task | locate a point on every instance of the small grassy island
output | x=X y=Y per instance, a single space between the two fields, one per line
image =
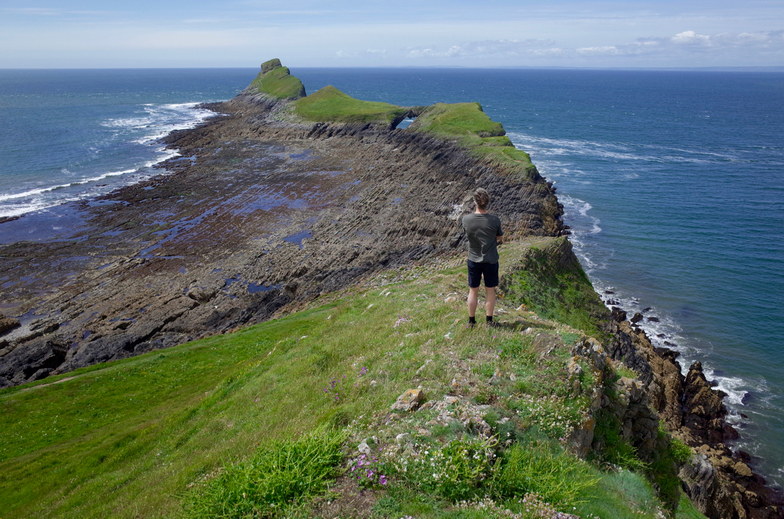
x=464 y=123
x=370 y=398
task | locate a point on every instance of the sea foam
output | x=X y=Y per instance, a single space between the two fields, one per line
x=143 y=131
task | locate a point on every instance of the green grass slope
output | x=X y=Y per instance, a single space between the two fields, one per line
x=277 y=82
x=331 y=105
x=551 y=282
x=467 y=124
x=267 y=421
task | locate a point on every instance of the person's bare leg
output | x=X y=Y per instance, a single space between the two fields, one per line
x=489 y=301
x=473 y=301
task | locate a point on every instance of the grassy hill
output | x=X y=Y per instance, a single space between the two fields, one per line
x=467 y=124
x=293 y=418
x=276 y=81
x=332 y=105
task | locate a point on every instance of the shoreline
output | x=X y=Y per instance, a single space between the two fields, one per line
x=720 y=481
x=147 y=132
x=645 y=319
x=668 y=332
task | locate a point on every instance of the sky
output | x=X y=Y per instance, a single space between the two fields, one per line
x=386 y=33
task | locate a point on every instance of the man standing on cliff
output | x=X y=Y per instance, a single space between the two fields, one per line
x=484 y=233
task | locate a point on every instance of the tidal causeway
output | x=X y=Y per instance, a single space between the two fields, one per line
x=256 y=214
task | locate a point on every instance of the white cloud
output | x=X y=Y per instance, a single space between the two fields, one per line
x=753 y=36
x=485 y=48
x=690 y=38
x=608 y=50
x=686 y=48
x=374 y=53
x=551 y=52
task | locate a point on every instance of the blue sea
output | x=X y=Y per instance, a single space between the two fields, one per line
x=672 y=181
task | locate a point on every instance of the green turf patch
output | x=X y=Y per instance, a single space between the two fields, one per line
x=552 y=282
x=275 y=81
x=457 y=120
x=331 y=105
x=467 y=124
x=272 y=481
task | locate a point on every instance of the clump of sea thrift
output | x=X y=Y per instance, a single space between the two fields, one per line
x=367 y=472
x=534 y=507
x=401 y=319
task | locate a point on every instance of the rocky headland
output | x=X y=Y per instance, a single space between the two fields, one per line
x=262 y=210
x=283 y=198
x=719 y=481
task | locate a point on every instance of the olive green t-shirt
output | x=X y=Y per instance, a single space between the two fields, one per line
x=481 y=230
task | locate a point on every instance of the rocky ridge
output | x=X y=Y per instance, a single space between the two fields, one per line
x=722 y=484
x=719 y=482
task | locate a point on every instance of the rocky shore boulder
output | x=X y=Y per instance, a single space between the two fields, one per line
x=704 y=406
x=719 y=482
x=7 y=323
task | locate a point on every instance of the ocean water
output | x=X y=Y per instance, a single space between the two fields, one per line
x=72 y=134
x=672 y=181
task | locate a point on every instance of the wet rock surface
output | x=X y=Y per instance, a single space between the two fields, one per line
x=7 y=323
x=255 y=215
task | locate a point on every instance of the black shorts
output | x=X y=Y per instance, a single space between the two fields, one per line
x=478 y=270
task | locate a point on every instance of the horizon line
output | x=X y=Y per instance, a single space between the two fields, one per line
x=764 y=68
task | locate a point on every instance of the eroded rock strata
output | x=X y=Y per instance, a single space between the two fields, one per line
x=256 y=214
x=719 y=481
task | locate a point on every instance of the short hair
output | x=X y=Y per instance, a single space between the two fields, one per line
x=481 y=198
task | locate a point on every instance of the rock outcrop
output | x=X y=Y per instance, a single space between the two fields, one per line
x=718 y=481
x=7 y=323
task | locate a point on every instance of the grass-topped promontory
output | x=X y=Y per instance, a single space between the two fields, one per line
x=467 y=124
x=331 y=105
x=464 y=123
x=557 y=290
x=276 y=81
x=292 y=418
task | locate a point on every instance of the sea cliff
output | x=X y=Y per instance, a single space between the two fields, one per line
x=317 y=212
